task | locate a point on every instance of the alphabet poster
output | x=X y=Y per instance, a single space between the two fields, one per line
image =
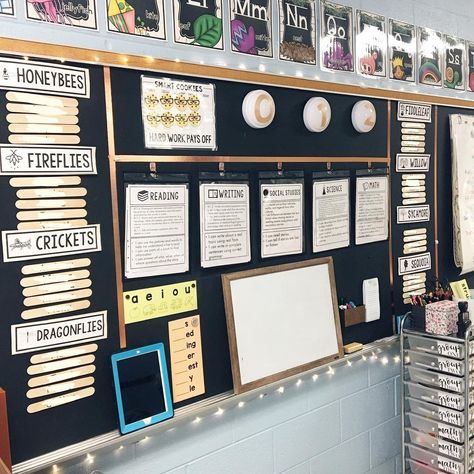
x=78 y=13
x=251 y=27
x=430 y=50
x=470 y=68
x=371 y=44
x=137 y=17
x=454 y=63
x=336 y=40
x=402 y=50
x=298 y=31
x=198 y=23
x=6 y=7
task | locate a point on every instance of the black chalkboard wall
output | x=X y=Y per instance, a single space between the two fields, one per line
x=33 y=435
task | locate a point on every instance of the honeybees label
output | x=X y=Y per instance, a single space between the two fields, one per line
x=178 y=114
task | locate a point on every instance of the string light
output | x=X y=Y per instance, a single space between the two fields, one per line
x=349 y=363
x=299 y=382
x=241 y=404
x=242 y=66
x=396 y=359
x=315 y=377
x=90 y=459
x=261 y=67
x=219 y=411
x=384 y=360
x=330 y=371
x=261 y=395
x=364 y=357
x=177 y=60
x=281 y=389
x=55 y=468
x=197 y=420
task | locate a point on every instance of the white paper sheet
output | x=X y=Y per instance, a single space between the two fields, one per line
x=371 y=298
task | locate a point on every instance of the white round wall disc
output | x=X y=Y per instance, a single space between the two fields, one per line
x=258 y=109
x=364 y=116
x=317 y=114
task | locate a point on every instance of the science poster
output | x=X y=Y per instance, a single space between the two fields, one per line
x=297 y=31
x=430 y=51
x=198 y=23
x=337 y=42
x=454 y=62
x=137 y=17
x=371 y=44
x=401 y=50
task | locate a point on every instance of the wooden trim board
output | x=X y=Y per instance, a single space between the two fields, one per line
x=5 y=454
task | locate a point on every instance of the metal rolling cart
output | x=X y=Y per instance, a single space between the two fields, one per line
x=436 y=401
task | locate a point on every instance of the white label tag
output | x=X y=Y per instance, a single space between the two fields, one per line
x=407 y=214
x=408 y=162
x=413 y=112
x=32 y=337
x=414 y=264
x=449 y=349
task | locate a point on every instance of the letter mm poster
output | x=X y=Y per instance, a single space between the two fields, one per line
x=178 y=114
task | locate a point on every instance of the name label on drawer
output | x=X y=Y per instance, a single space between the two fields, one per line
x=451 y=366
x=450 y=432
x=450 y=401
x=449 y=465
x=450 y=383
x=450 y=417
x=449 y=349
x=444 y=447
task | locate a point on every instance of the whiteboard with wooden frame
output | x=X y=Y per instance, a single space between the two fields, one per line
x=281 y=320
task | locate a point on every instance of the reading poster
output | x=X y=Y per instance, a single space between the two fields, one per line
x=78 y=13
x=430 y=49
x=454 y=63
x=137 y=17
x=470 y=63
x=298 y=31
x=337 y=43
x=371 y=44
x=402 y=50
x=251 y=27
x=198 y=23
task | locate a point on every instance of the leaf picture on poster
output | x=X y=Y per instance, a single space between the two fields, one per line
x=454 y=63
x=298 y=31
x=402 y=50
x=78 y=13
x=430 y=50
x=251 y=27
x=337 y=44
x=198 y=23
x=371 y=44
x=6 y=7
x=137 y=17
x=470 y=66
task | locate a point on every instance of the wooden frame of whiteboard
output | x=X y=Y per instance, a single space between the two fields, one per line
x=226 y=280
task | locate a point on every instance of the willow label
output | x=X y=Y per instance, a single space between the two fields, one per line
x=415 y=163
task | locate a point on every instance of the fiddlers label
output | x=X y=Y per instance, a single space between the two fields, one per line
x=417 y=263
x=406 y=162
x=30 y=337
x=46 y=160
x=30 y=245
x=44 y=78
x=406 y=214
x=412 y=112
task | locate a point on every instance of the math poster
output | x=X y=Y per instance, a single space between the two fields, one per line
x=371 y=44
x=298 y=31
x=137 y=17
x=251 y=27
x=7 y=7
x=198 y=23
x=76 y=13
x=430 y=50
x=402 y=50
x=454 y=62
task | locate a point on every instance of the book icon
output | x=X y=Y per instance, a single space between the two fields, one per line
x=142 y=195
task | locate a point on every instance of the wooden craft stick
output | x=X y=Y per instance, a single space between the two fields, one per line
x=45 y=129
x=40 y=99
x=413 y=137
x=54 y=310
x=414 y=131
x=35 y=118
x=50 y=193
x=41 y=109
x=49 y=215
x=417 y=286
x=415 y=276
x=419 y=243
x=63 y=353
x=59 y=224
x=49 y=203
x=421 y=230
x=57 y=297
x=412 y=149
x=414 y=176
x=61 y=400
x=60 y=364
x=414 y=293
x=407 y=202
x=55 y=266
x=412 y=143
x=414 y=250
x=60 y=387
x=44 y=139
x=414 y=238
x=57 y=287
x=413 y=182
x=413 y=195
x=414 y=188
x=44 y=181
x=49 y=278
x=60 y=376
x=413 y=125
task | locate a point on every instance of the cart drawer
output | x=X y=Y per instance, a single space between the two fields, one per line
x=439 y=380
x=422 y=360
x=434 y=395
x=433 y=443
x=435 y=460
x=434 y=346
x=436 y=428
x=435 y=412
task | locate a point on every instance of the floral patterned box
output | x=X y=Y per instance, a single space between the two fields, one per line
x=442 y=317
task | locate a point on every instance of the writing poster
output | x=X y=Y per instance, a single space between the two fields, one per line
x=77 y=13
x=371 y=209
x=137 y=17
x=470 y=66
x=7 y=7
x=331 y=214
x=371 y=44
x=430 y=51
x=454 y=62
x=198 y=23
x=225 y=223
x=251 y=27
x=298 y=31
x=402 y=50
x=156 y=229
x=178 y=114
x=281 y=214
x=336 y=37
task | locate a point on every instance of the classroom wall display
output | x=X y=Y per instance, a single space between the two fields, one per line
x=317 y=114
x=430 y=56
x=470 y=66
x=251 y=27
x=298 y=31
x=137 y=17
x=258 y=108
x=75 y=13
x=364 y=116
x=454 y=63
x=336 y=37
x=7 y=8
x=371 y=44
x=198 y=23
x=401 y=50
